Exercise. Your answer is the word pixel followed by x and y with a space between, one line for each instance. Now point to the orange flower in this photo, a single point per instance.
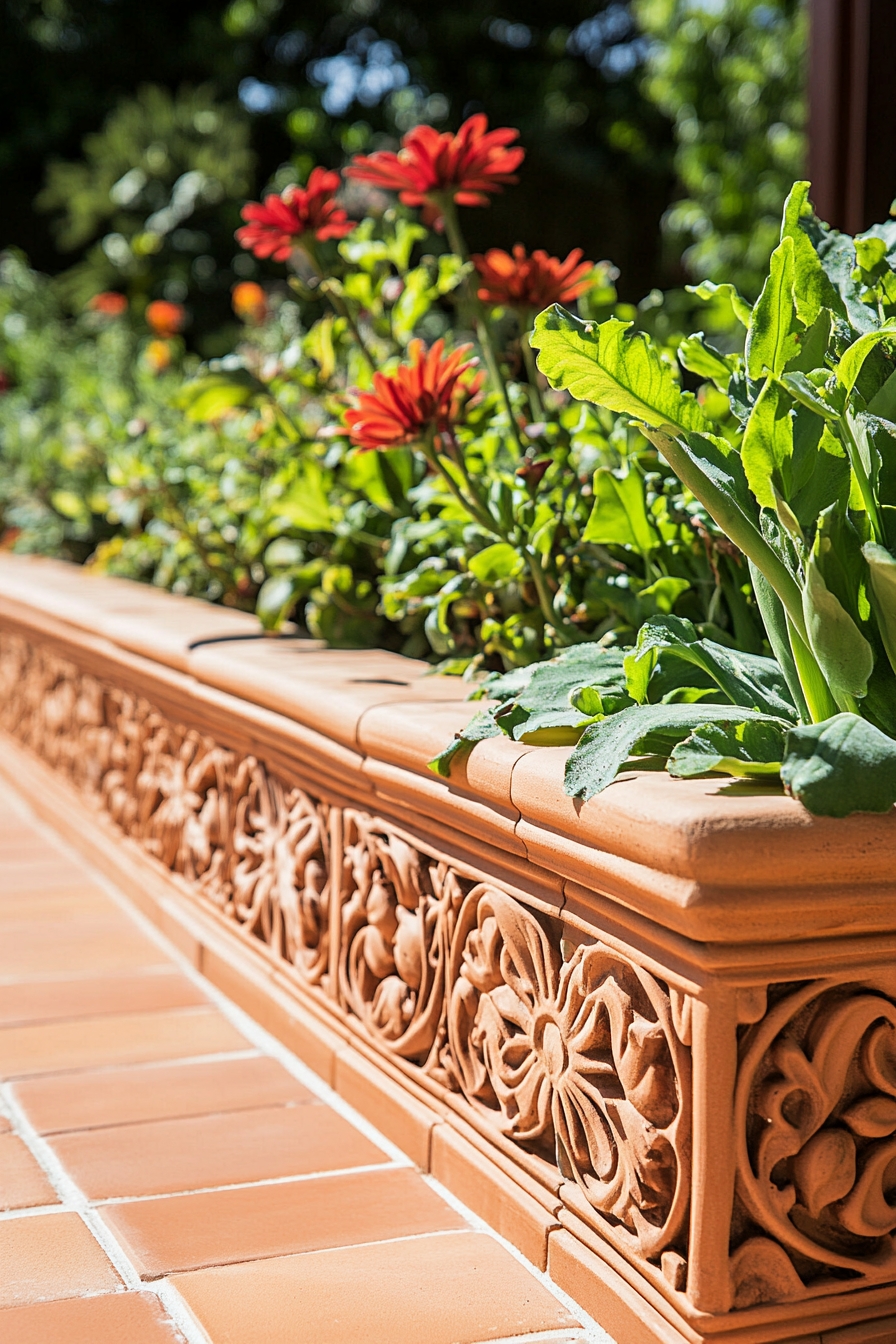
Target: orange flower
pixel 272 229
pixel 536 281
pixel 427 395
pixel 158 356
pixel 432 165
pixel 250 302
pixel 109 303
pixel 166 319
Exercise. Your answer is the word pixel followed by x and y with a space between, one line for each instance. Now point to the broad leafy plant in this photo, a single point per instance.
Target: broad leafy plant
pixel 805 487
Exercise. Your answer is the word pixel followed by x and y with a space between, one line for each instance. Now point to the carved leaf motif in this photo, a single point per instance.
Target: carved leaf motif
pixel 872 1117
pixel 825 1169
pixel 816 1107
pixel 761 1271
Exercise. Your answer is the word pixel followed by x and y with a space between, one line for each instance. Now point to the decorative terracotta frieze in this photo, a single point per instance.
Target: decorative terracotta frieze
pixel 732 1141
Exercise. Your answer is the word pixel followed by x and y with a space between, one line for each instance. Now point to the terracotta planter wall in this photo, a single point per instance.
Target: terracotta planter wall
pixel 652 1039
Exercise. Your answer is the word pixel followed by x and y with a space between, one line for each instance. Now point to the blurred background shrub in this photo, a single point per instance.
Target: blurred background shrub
pixel 139 130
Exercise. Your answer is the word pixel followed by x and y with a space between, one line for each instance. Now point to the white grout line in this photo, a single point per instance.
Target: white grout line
pixel 251 1185
pixel 590 1333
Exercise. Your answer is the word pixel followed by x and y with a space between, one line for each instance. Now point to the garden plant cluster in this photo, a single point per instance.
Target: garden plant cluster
pixel 416 447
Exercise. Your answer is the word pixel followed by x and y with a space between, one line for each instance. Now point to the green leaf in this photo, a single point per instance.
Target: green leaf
pixel 747 679
pixel 774 619
pixel 306 504
pixel 550 686
pixel 496 563
pixel 209 397
pixel 743 749
pixel 883 403
pixel 619 516
pixel 480 727
pixel 709 290
pixel 812 289
pixel 882 568
pixel 698 356
pixel 841 650
pixel 768 444
pixel 275 600
pixel 870 252
pixel 606 746
pixel 850 364
pixel 840 766
pixel 807 394
pixel 601 364
pixel 771 340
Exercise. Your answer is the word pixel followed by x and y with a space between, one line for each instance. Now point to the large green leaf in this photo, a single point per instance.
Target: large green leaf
pixel 812 288
pixel 773 338
pixel 709 290
pixel 768 444
pixel 746 679
pixel 841 650
pixel 619 516
pixel 605 747
pixel 698 356
pixel 742 749
pixel 479 728
pixel 850 364
pixel 604 365
pixel 211 396
pixel 774 619
pixel 840 766
pixel 882 568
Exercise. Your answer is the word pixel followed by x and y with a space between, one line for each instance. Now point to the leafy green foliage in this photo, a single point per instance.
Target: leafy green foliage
pixel 803 480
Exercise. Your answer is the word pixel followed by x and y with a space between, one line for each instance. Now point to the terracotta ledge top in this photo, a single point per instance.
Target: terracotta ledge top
pixel 715 860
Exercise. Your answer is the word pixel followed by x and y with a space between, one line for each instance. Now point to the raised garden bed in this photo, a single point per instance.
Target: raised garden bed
pixel 650 1037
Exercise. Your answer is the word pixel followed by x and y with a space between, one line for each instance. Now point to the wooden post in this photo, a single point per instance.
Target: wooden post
pixel 852 149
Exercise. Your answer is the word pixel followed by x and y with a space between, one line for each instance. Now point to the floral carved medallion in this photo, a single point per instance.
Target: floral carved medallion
pixel 816 1118
pixel 579 1059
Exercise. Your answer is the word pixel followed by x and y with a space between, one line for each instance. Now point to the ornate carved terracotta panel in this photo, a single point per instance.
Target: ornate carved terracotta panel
pixel 577 1058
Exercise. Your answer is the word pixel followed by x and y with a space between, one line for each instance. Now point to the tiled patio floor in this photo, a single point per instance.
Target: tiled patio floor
pixel 168 1172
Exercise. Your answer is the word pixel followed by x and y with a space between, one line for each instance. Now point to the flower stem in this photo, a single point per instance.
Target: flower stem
pixel 329 289
pixel 459 247
pixel 535 402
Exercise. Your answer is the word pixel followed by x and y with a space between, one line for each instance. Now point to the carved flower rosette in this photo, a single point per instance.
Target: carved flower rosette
pixel 578 1060
pixel 396 933
pixel 816 1117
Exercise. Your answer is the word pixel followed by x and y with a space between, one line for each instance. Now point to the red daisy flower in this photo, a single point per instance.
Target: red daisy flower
pixel 536 281
pixel 272 229
pixel 429 393
pixel 165 319
pixel 432 164
pixel 109 303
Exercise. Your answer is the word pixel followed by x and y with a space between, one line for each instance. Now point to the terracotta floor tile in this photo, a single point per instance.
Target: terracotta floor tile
pixel 51 1256
pixel 158 1092
pixel 87 996
pixel 42 872
pixel 453 1289
pixel 101 944
pixel 5 1126
pixel 120 1318
pixel 59 904
pixel 130 1038
pixel 23 1184
pixel 211 1150
pixel 190 1231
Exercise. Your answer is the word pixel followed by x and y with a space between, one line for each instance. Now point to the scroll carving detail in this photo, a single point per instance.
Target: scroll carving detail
pixel 816 1115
